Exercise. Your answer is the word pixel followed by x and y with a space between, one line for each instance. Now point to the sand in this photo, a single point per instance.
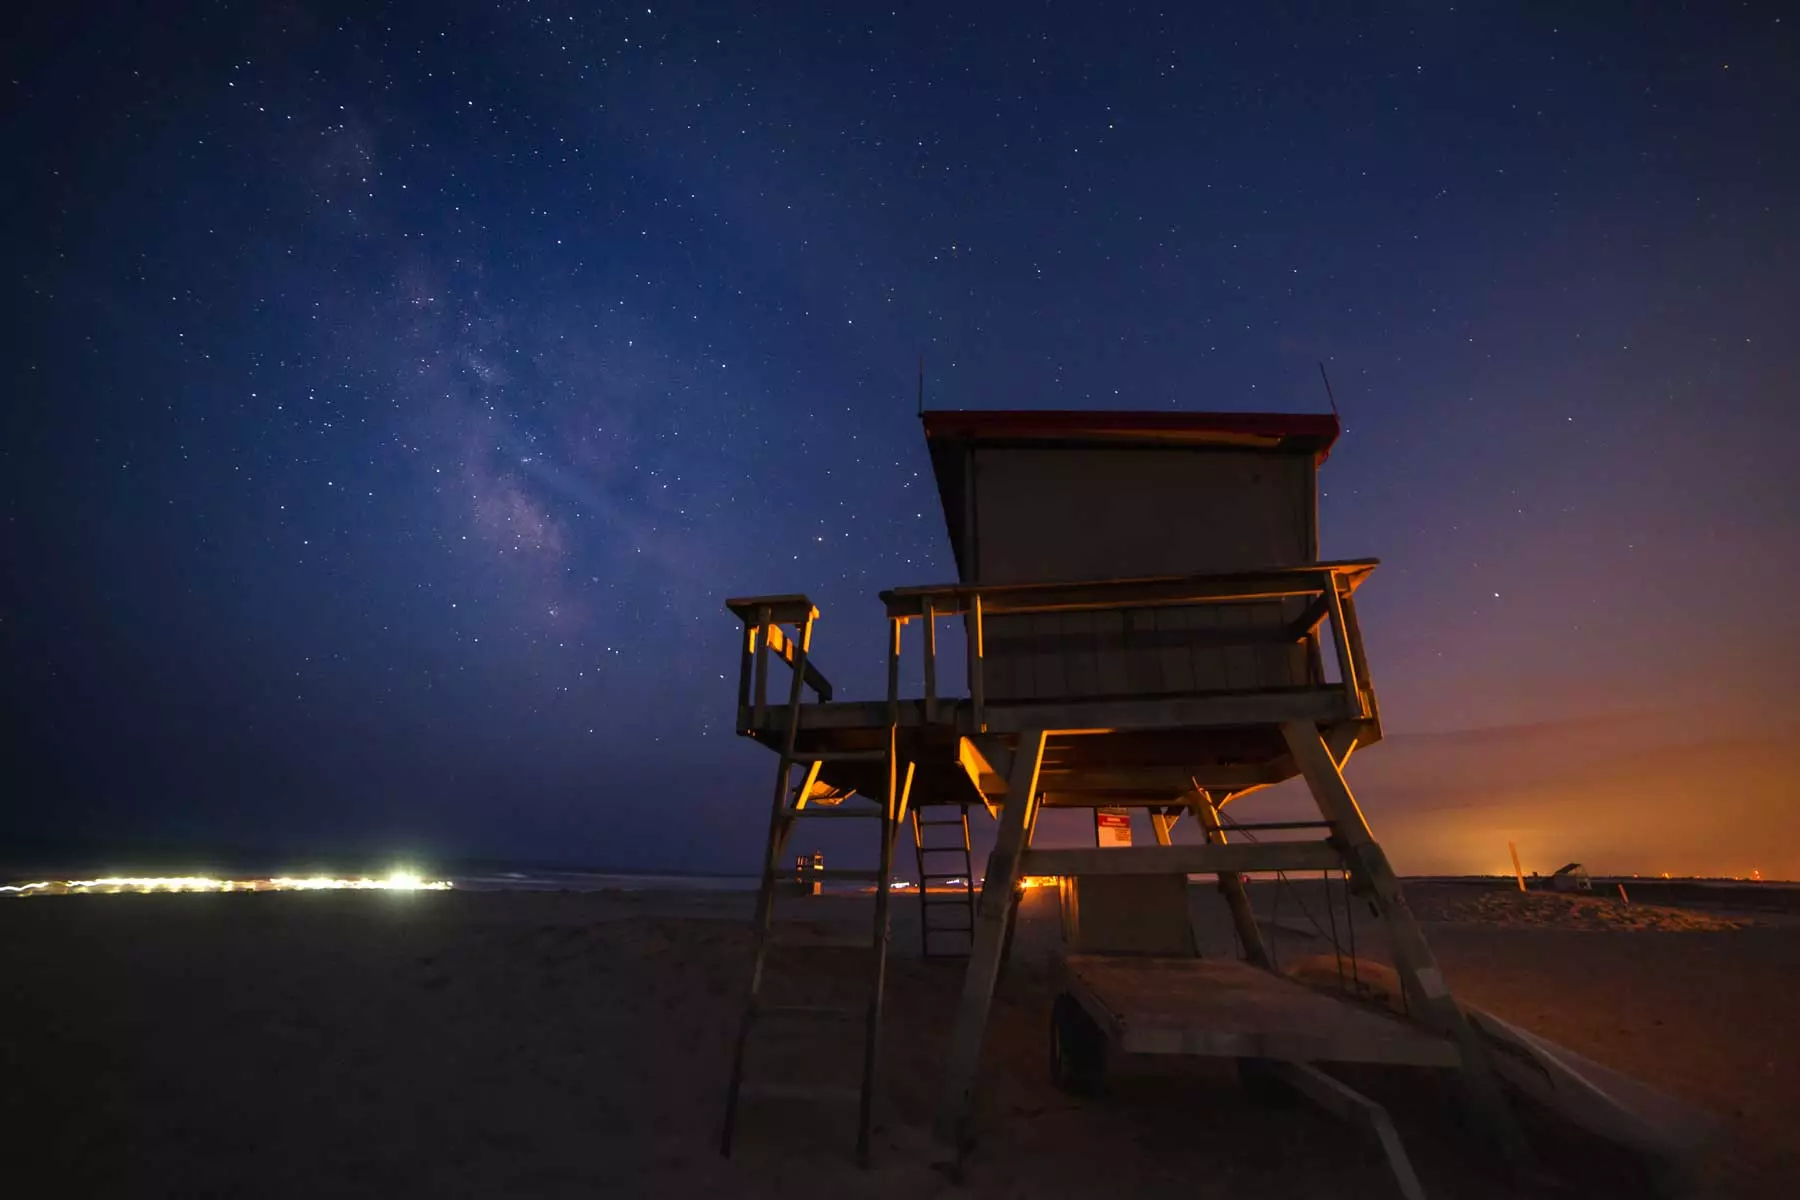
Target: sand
pixel 517 1044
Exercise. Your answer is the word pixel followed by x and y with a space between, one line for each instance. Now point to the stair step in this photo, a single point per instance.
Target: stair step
pixel 821 1012
pixel 824 1093
pixel 813 811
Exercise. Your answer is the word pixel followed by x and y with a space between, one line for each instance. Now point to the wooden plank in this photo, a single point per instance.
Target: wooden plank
pixel 789 609
pixel 1246 708
pixel 1050 674
pixel 1210 1007
pixel 1271 583
pixel 784 648
pixel 1110 656
pixel 1241 857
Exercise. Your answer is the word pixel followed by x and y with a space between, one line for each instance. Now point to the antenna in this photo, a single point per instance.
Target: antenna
pixel 1328 395
pixel 921 384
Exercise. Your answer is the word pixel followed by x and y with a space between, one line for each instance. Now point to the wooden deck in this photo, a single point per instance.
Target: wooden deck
pixel 1216 1008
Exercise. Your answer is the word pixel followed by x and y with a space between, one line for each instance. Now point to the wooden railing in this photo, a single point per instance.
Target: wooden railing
pixel 1328 587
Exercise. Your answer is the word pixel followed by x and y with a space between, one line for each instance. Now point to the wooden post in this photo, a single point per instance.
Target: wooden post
pixel 1340 637
pixel 1517 869
pixel 993 920
pixel 1428 997
pixel 977 681
pixel 1231 885
pixel 761 699
pixel 1160 823
pixel 1370 707
pixel 930 661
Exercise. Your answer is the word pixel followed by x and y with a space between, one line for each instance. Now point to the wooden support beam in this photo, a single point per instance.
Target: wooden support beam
pixel 1427 996
pixel 1348 1104
pixel 1161 825
pixel 784 648
pixel 1210 859
pixel 993 920
pixel 1231 885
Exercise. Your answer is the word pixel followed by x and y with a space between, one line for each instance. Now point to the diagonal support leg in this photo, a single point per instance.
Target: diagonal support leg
pixel 993 923
pixel 1418 970
pixel 1231 885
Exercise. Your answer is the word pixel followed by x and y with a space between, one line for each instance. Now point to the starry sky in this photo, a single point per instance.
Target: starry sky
pixel 395 393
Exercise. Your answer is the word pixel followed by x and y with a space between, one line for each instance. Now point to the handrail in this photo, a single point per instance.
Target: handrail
pixel 763 618
pixel 955 599
pixel 1333 585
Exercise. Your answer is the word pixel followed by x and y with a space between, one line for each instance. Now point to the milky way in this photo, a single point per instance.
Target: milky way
pixel 395 396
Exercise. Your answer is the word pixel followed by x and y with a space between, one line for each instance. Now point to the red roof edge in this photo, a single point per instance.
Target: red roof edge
pixel 1308 431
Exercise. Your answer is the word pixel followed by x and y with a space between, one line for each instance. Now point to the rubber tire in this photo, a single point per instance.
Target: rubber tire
pixel 1261 1085
pixel 1077 1048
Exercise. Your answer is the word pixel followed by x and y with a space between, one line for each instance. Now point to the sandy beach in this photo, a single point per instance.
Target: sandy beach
pixel 563 1044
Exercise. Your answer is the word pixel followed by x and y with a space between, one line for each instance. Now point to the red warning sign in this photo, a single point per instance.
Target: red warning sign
pixel 1112 826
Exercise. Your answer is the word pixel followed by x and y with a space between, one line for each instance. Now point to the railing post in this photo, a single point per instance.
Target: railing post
pixel 977 684
pixel 893 681
pixel 1341 640
pixel 930 660
pixel 761 638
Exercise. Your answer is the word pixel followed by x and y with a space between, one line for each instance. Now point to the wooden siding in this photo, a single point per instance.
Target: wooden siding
pixel 1063 514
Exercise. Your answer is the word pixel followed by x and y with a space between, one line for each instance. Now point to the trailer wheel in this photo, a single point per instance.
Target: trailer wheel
pixel 1261 1084
pixel 1077 1047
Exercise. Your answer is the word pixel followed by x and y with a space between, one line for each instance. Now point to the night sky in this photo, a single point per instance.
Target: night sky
pixel 393 396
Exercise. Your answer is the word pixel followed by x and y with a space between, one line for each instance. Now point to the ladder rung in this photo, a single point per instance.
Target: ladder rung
pixel 834 756
pixel 812 810
pixel 943 849
pixel 822 1092
pixel 823 1012
pixel 866 874
pixel 957 822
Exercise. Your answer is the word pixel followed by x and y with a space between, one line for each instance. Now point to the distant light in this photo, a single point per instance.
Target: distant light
pixel 398 881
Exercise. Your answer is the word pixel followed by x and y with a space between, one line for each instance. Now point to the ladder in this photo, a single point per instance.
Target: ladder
pixel 948 915
pixel 791 805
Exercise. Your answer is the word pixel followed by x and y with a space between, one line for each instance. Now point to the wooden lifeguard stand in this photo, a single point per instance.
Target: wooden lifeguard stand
pixel 1148 623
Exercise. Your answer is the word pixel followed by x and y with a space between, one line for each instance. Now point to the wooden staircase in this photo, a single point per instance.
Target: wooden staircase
pixel 796 800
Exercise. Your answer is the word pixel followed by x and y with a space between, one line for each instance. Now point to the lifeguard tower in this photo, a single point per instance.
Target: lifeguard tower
pixel 1147 624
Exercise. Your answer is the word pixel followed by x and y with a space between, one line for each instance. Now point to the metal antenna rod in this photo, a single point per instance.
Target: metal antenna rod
pixel 1328 395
